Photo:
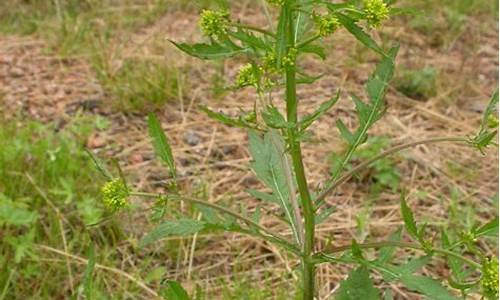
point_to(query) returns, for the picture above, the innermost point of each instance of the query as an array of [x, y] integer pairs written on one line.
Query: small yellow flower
[[214, 23], [247, 76], [115, 194], [290, 58], [326, 24], [376, 11], [489, 278]]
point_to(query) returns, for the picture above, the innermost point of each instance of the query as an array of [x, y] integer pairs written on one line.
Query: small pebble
[[191, 138]]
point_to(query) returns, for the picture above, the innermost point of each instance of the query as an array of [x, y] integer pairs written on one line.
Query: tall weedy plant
[[275, 139]]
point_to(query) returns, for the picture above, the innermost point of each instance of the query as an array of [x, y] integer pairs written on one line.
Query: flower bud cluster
[[326, 25], [115, 194], [376, 11], [247, 76], [214, 23], [489, 278]]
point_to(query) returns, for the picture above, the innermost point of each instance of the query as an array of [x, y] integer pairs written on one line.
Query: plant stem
[[404, 245], [298, 166], [275, 237], [388, 152]]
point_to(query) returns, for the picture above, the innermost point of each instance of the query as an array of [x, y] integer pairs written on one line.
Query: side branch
[[414, 246], [388, 152], [221, 209]]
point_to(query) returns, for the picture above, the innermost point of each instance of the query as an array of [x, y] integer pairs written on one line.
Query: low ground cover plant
[[273, 68]]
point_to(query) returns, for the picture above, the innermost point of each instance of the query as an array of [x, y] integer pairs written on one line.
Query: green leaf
[[408, 218], [210, 51], [386, 254], [181, 227], [262, 196], [427, 286], [320, 111], [101, 167], [273, 118], [87, 276], [323, 216], [356, 250], [368, 113], [346, 134], [268, 164], [414, 265], [490, 110], [161, 144], [488, 229], [223, 118], [358, 33], [314, 49], [174, 291], [249, 40], [357, 286]]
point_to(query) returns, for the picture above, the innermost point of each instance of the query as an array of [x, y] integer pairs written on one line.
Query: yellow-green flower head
[[269, 63], [247, 76], [115, 194], [276, 2], [492, 122], [489, 278], [326, 24], [214, 23], [376, 11], [290, 58]]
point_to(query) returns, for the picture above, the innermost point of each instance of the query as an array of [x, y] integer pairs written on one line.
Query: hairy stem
[[386, 153], [274, 236], [298, 165], [383, 244]]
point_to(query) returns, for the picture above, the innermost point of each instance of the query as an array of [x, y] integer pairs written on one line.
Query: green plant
[[273, 64], [417, 84]]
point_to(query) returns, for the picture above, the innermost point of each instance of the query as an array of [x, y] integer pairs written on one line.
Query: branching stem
[[386, 153], [383, 244], [267, 232]]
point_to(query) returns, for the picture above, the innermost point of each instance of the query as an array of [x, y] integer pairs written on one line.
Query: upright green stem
[[298, 166]]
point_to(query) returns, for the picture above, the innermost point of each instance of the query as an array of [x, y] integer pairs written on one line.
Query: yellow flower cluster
[[489, 278], [376, 11], [214, 23], [326, 24], [115, 194], [247, 76]]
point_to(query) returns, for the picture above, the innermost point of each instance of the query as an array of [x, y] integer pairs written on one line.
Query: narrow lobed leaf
[[181, 227], [160, 143]]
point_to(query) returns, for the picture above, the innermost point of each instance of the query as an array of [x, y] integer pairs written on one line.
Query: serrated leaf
[[427, 286], [263, 196], [488, 229], [314, 49], [160, 143], [174, 291], [267, 163], [323, 216], [87, 275], [209, 51], [358, 33], [223, 118], [273, 118], [344, 131], [320, 111], [249, 40], [370, 112], [408, 218], [357, 286], [181, 227]]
